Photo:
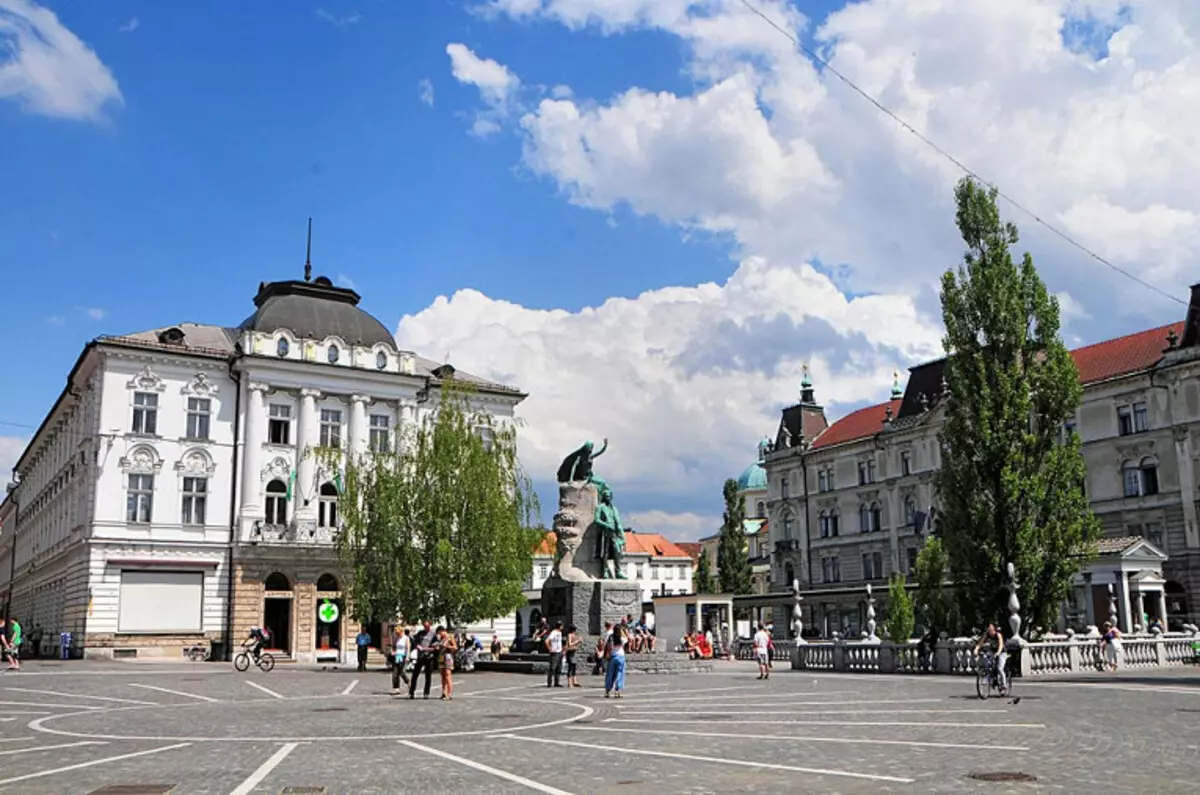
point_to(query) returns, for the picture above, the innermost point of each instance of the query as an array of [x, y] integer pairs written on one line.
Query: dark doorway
[[329, 633], [376, 631], [277, 618]]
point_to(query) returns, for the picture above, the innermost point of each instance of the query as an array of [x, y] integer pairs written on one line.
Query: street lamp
[[10, 490]]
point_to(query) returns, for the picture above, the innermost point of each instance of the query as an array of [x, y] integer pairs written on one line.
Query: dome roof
[[315, 310], [752, 478]]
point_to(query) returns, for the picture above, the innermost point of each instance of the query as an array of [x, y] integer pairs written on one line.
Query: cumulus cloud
[[840, 220], [497, 86], [675, 526], [46, 68]]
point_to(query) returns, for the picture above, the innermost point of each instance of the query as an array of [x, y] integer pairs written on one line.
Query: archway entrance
[[328, 618], [277, 612]]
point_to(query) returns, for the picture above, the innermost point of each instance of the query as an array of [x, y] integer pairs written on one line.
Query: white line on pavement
[[17, 740], [1191, 691], [56, 706], [350, 688], [933, 724], [794, 712], [784, 702], [268, 691], [25, 712], [721, 760], [711, 699], [92, 763], [172, 692], [803, 739], [683, 692], [80, 695], [501, 690], [50, 747], [264, 769], [504, 774]]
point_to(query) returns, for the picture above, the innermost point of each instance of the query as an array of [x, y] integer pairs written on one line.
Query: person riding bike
[[992, 643], [258, 637]]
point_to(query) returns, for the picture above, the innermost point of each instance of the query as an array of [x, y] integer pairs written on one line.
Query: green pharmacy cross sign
[[327, 612]]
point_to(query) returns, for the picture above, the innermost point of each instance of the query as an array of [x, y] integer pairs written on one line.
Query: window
[[487, 436], [872, 565], [876, 517], [683, 572], [327, 506], [1141, 418], [654, 571], [822, 481], [331, 428], [145, 413], [760, 509], [910, 511], [833, 523], [381, 436], [1133, 418], [1151, 531], [277, 500], [282, 347], [668, 572], [783, 487], [787, 527], [334, 354], [279, 430], [543, 570], [198, 413], [869, 517], [638, 571], [911, 559], [380, 360], [139, 504], [1140, 478], [866, 472], [905, 462], [195, 495], [831, 570]]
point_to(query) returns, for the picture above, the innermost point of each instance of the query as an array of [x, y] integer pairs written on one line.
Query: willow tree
[[441, 529], [1010, 484]]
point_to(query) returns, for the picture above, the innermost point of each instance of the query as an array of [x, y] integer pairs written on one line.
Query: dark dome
[[315, 310]]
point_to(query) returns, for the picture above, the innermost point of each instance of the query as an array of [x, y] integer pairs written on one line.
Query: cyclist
[[258, 637], [992, 642]]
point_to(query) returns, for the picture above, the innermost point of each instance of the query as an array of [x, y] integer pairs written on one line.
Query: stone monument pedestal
[[588, 605]]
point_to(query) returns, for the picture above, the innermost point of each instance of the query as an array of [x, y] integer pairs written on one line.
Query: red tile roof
[[651, 544], [1097, 362], [857, 425], [692, 548]]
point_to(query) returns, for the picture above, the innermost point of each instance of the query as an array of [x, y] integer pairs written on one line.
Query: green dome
[[752, 478]]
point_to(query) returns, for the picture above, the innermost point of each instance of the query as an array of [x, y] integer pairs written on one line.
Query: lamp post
[[11, 490]]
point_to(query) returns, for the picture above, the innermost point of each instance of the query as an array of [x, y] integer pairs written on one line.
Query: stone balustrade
[[956, 656]]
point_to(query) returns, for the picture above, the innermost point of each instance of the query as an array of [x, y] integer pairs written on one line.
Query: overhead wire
[[958, 163]]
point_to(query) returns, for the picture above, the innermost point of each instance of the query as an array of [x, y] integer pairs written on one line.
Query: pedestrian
[[762, 642], [363, 642], [447, 646], [425, 644], [1110, 645], [573, 644], [614, 676], [554, 645], [13, 643], [401, 646], [601, 647], [497, 646]]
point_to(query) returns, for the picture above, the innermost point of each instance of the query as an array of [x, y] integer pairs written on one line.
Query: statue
[[611, 541], [578, 465]]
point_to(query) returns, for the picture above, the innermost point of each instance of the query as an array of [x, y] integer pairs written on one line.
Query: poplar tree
[[702, 579], [1011, 481], [443, 527], [733, 561]]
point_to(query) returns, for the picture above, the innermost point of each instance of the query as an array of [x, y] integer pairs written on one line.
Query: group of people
[[421, 653]]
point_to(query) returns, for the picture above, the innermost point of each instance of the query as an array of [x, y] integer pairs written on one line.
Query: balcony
[[787, 545], [297, 532]]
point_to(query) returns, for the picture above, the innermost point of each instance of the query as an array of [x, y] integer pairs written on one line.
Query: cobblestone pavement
[[80, 728]]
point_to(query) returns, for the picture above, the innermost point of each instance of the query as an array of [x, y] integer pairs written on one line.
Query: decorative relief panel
[[196, 463], [147, 381], [200, 386], [277, 468], [142, 459]]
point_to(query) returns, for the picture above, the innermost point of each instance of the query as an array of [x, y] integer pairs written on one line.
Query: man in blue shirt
[[363, 642]]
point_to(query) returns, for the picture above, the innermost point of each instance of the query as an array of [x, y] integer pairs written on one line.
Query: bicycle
[[263, 660], [197, 653], [987, 678]]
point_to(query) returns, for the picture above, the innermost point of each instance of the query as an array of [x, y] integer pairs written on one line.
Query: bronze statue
[[611, 541], [578, 465]]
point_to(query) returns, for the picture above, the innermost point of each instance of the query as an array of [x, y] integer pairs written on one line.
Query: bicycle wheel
[[983, 684], [242, 661], [266, 662]]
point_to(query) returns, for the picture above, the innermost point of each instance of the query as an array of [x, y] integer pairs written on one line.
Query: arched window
[[823, 524], [910, 510], [381, 360], [876, 517], [833, 523], [277, 501], [327, 582], [1149, 467], [760, 508], [864, 518], [277, 582], [327, 506], [787, 526]]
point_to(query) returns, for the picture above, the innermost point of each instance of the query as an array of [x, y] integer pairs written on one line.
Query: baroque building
[[858, 495], [172, 495]]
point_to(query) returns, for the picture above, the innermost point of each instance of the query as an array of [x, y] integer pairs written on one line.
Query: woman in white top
[[401, 646]]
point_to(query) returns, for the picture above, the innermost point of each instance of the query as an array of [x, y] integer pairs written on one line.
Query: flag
[[337, 482], [291, 483]]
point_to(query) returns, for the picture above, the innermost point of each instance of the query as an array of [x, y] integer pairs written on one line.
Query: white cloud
[[674, 526], [11, 448], [338, 21], [129, 27], [494, 81], [46, 68], [425, 91], [793, 167], [95, 313]]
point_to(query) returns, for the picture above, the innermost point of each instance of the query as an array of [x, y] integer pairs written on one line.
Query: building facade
[[184, 487], [859, 494]]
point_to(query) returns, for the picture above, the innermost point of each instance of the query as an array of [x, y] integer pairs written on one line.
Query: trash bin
[[64, 645]]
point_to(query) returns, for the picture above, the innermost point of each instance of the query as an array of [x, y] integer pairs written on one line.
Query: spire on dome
[[897, 392], [806, 388]]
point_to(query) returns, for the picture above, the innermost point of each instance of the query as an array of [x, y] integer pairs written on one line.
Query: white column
[[1162, 608], [1126, 617], [252, 442], [358, 424], [1140, 611], [307, 438]]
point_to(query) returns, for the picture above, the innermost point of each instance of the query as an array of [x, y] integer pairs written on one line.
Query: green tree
[[733, 561], [702, 579], [443, 527], [900, 619], [934, 597], [1010, 486]]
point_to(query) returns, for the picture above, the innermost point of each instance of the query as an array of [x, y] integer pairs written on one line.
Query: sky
[[648, 214]]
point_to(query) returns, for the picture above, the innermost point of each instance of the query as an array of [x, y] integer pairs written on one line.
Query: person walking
[[447, 646], [762, 644], [13, 641], [573, 644], [363, 641], [425, 644], [401, 646], [554, 645], [614, 676]]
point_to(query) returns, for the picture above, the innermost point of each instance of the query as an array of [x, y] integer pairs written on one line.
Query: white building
[[176, 457]]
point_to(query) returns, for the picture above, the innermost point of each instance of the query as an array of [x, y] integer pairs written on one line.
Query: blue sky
[[645, 250]]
